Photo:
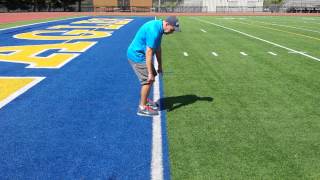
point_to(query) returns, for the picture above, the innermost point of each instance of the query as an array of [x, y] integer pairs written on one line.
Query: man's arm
[[149, 54], [159, 59]]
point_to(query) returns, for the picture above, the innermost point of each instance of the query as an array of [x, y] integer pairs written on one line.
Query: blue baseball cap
[[173, 20]]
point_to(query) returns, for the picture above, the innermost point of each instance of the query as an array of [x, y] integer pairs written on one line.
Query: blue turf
[[80, 122]]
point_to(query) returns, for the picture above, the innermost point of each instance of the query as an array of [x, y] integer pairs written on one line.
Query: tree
[[55, 4], [269, 2], [40, 5], [79, 5], [16, 4], [66, 4]]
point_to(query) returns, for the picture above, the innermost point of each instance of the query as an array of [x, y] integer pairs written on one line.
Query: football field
[[240, 100], [262, 75]]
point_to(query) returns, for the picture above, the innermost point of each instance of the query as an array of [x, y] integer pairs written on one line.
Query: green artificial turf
[[243, 117]]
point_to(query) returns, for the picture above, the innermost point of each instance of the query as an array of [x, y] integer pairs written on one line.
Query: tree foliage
[[39, 5], [170, 3], [268, 2]]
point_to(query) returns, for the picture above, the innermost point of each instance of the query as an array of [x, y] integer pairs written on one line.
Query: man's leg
[[145, 91], [142, 73], [144, 109]]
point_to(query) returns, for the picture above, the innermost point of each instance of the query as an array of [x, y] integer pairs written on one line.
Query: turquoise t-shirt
[[149, 35]]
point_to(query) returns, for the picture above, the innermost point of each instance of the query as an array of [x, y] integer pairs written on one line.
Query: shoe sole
[[156, 109], [146, 115]]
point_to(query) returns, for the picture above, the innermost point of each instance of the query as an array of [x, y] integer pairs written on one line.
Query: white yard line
[[203, 30], [293, 52], [244, 54], [156, 162], [313, 22], [215, 54], [272, 53], [257, 38], [309, 19], [40, 23], [293, 27], [231, 18]]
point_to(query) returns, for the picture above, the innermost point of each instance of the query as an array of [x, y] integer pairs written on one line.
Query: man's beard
[[167, 33]]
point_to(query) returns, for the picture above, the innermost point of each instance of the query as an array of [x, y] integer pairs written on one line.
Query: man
[[144, 46]]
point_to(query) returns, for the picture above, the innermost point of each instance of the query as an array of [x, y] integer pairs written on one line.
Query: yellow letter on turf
[[30, 54], [12, 87], [100, 26], [67, 35]]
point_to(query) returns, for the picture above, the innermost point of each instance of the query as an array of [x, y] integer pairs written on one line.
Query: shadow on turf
[[175, 102]]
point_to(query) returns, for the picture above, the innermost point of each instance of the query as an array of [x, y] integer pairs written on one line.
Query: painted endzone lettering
[[86, 27], [66, 35], [28, 54]]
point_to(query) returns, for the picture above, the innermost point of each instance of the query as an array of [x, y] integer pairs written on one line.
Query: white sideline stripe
[[41, 23], [156, 162], [156, 159], [203, 30], [243, 53], [254, 37], [215, 54], [293, 27], [312, 22], [231, 18], [185, 54], [20, 91], [292, 52], [309, 19], [272, 53]]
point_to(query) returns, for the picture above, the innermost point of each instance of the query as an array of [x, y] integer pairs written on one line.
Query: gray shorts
[[141, 71]]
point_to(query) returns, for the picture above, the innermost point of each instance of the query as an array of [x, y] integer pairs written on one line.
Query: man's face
[[168, 29]]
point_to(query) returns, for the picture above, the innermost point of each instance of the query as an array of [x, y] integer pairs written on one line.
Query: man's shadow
[[175, 102]]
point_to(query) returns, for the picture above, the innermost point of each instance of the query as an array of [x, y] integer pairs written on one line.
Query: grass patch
[[241, 117]]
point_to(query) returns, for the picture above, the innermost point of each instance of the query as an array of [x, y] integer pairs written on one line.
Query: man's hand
[[150, 78]]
